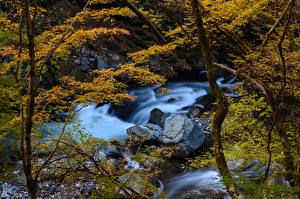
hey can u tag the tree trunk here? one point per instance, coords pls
(31, 182)
(288, 157)
(286, 146)
(221, 106)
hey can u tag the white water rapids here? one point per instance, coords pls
(102, 122)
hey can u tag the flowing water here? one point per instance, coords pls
(192, 183)
(103, 122)
(108, 122)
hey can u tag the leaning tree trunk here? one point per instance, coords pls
(221, 106)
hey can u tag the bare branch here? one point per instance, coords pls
(276, 23)
(244, 77)
(145, 20)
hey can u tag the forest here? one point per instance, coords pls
(150, 99)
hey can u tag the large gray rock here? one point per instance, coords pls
(143, 133)
(174, 128)
(183, 131)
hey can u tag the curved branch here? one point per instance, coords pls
(276, 23)
(243, 76)
(145, 20)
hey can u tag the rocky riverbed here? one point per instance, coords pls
(154, 122)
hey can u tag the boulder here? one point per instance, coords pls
(144, 133)
(183, 131)
(171, 100)
(157, 117)
(187, 135)
(174, 128)
(123, 111)
(206, 101)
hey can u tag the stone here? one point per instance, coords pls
(107, 150)
(77, 62)
(178, 131)
(83, 50)
(149, 162)
(144, 133)
(10, 191)
(181, 130)
(101, 63)
(134, 182)
(174, 129)
(86, 68)
(171, 100)
(92, 59)
(113, 163)
(85, 61)
(196, 111)
(206, 101)
(157, 117)
(115, 57)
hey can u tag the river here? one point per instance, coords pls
(110, 122)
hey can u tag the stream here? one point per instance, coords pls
(110, 122)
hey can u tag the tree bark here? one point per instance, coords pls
(221, 106)
(27, 159)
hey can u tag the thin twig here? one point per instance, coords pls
(276, 23)
(70, 115)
